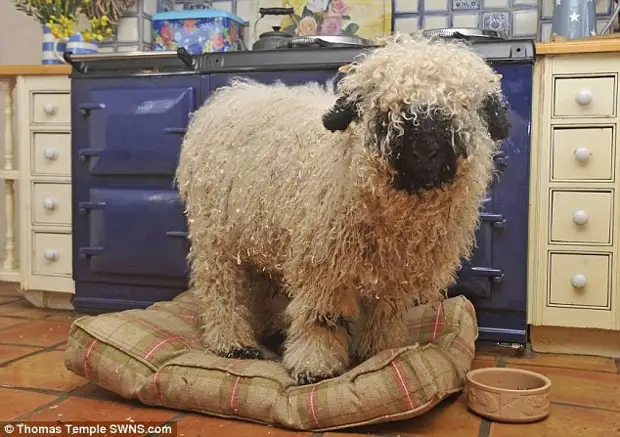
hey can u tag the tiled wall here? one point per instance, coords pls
(134, 30)
(517, 18)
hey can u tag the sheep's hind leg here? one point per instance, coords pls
(226, 310)
(317, 343)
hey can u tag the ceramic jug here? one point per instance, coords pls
(51, 48)
(77, 45)
(574, 19)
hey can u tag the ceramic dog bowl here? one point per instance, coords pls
(509, 395)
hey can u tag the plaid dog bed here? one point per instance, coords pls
(155, 355)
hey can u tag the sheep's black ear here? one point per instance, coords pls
(495, 114)
(340, 116)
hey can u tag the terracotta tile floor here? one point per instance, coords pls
(34, 385)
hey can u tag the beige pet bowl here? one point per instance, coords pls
(509, 395)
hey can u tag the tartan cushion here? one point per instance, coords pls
(155, 355)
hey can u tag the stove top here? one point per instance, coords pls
(303, 58)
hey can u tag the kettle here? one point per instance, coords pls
(271, 40)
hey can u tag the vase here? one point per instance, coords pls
(77, 45)
(48, 49)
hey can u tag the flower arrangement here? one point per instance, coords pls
(321, 17)
(61, 16)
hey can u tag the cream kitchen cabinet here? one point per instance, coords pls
(38, 250)
(573, 278)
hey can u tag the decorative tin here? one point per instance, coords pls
(198, 31)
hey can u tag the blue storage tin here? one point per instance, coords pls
(197, 30)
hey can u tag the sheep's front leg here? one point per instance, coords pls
(317, 344)
(226, 310)
(383, 328)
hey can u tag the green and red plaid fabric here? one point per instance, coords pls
(155, 355)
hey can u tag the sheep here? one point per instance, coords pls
(314, 210)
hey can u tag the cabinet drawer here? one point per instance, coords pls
(51, 203)
(582, 154)
(580, 280)
(581, 217)
(584, 96)
(51, 108)
(52, 254)
(51, 154)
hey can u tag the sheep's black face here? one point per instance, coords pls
(425, 155)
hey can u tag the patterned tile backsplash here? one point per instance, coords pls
(517, 18)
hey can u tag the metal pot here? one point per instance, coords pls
(272, 40)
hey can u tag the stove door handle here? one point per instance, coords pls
(176, 130)
(496, 220)
(177, 234)
(88, 252)
(85, 207)
(496, 275)
(86, 108)
(86, 154)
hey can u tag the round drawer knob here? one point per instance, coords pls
(51, 254)
(578, 281)
(49, 203)
(50, 154)
(583, 97)
(49, 109)
(580, 217)
(582, 154)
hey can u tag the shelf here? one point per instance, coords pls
(10, 276)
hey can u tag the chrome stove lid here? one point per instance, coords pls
(466, 33)
(326, 41)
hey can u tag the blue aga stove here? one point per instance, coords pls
(129, 114)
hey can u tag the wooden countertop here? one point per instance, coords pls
(595, 45)
(34, 70)
(606, 44)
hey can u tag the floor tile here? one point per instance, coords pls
(8, 299)
(37, 333)
(581, 387)
(10, 289)
(595, 364)
(22, 308)
(81, 409)
(92, 390)
(485, 357)
(449, 419)
(478, 364)
(565, 421)
(14, 403)
(63, 316)
(195, 425)
(44, 370)
(8, 353)
(7, 322)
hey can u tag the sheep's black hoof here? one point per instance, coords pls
(310, 378)
(245, 353)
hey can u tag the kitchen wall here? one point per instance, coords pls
(517, 18)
